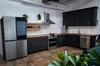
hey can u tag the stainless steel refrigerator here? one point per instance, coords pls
(13, 43)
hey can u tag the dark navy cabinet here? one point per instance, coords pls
(68, 40)
(72, 40)
(64, 40)
(37, 44)
(76, 41)
(61, 41)
(82, 17)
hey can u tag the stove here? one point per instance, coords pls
(52, 41)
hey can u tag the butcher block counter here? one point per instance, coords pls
(45, 41)
(78, 34)
(32, 36)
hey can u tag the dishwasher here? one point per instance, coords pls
(85, 42)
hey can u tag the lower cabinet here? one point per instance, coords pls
(37, 44)
(72, 40)
(76, 41)
(61, 40)
(92, 41)
(68, 40)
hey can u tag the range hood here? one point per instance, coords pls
(47, 19)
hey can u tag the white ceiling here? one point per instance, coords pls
(63, 5)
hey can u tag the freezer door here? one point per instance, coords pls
(9, 28)
(22, 48)
(10, 50)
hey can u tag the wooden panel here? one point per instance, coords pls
(33, 28)
(63, 33)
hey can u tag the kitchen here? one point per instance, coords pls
(49, 32)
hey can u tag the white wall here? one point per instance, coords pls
(80, 4)
(12, 8)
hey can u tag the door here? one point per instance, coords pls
(21, 28)
(37, 44)
(60, 40)
(33, 45)
(10, 50)
(9, 28)
(29, 45)
(44, 44)
(65, 20)
(69, 40)
(21, 48)
(76, 41)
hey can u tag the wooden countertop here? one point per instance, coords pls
(77, 34)
(32, 36)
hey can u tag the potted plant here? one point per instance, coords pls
(39, 17)
(67, 59)
(95, 58)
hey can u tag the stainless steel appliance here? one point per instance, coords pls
(52, 44)
(13, 34)
(85, 42)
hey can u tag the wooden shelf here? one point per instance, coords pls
(36, 23)
(33, 28)
(33, 23)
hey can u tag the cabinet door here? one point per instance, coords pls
(63, 40)
(92, 41)
(70, 19)
(76, 41)
(11, 50)
(29, 46)
(64, 20)
(33, 45)
(44, 44)
(37, 44)
(69, 40)
(60, 40)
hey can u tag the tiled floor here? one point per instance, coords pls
(40, 58)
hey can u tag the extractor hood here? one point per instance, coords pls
(47, 19)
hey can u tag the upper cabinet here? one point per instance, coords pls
(82, 17)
